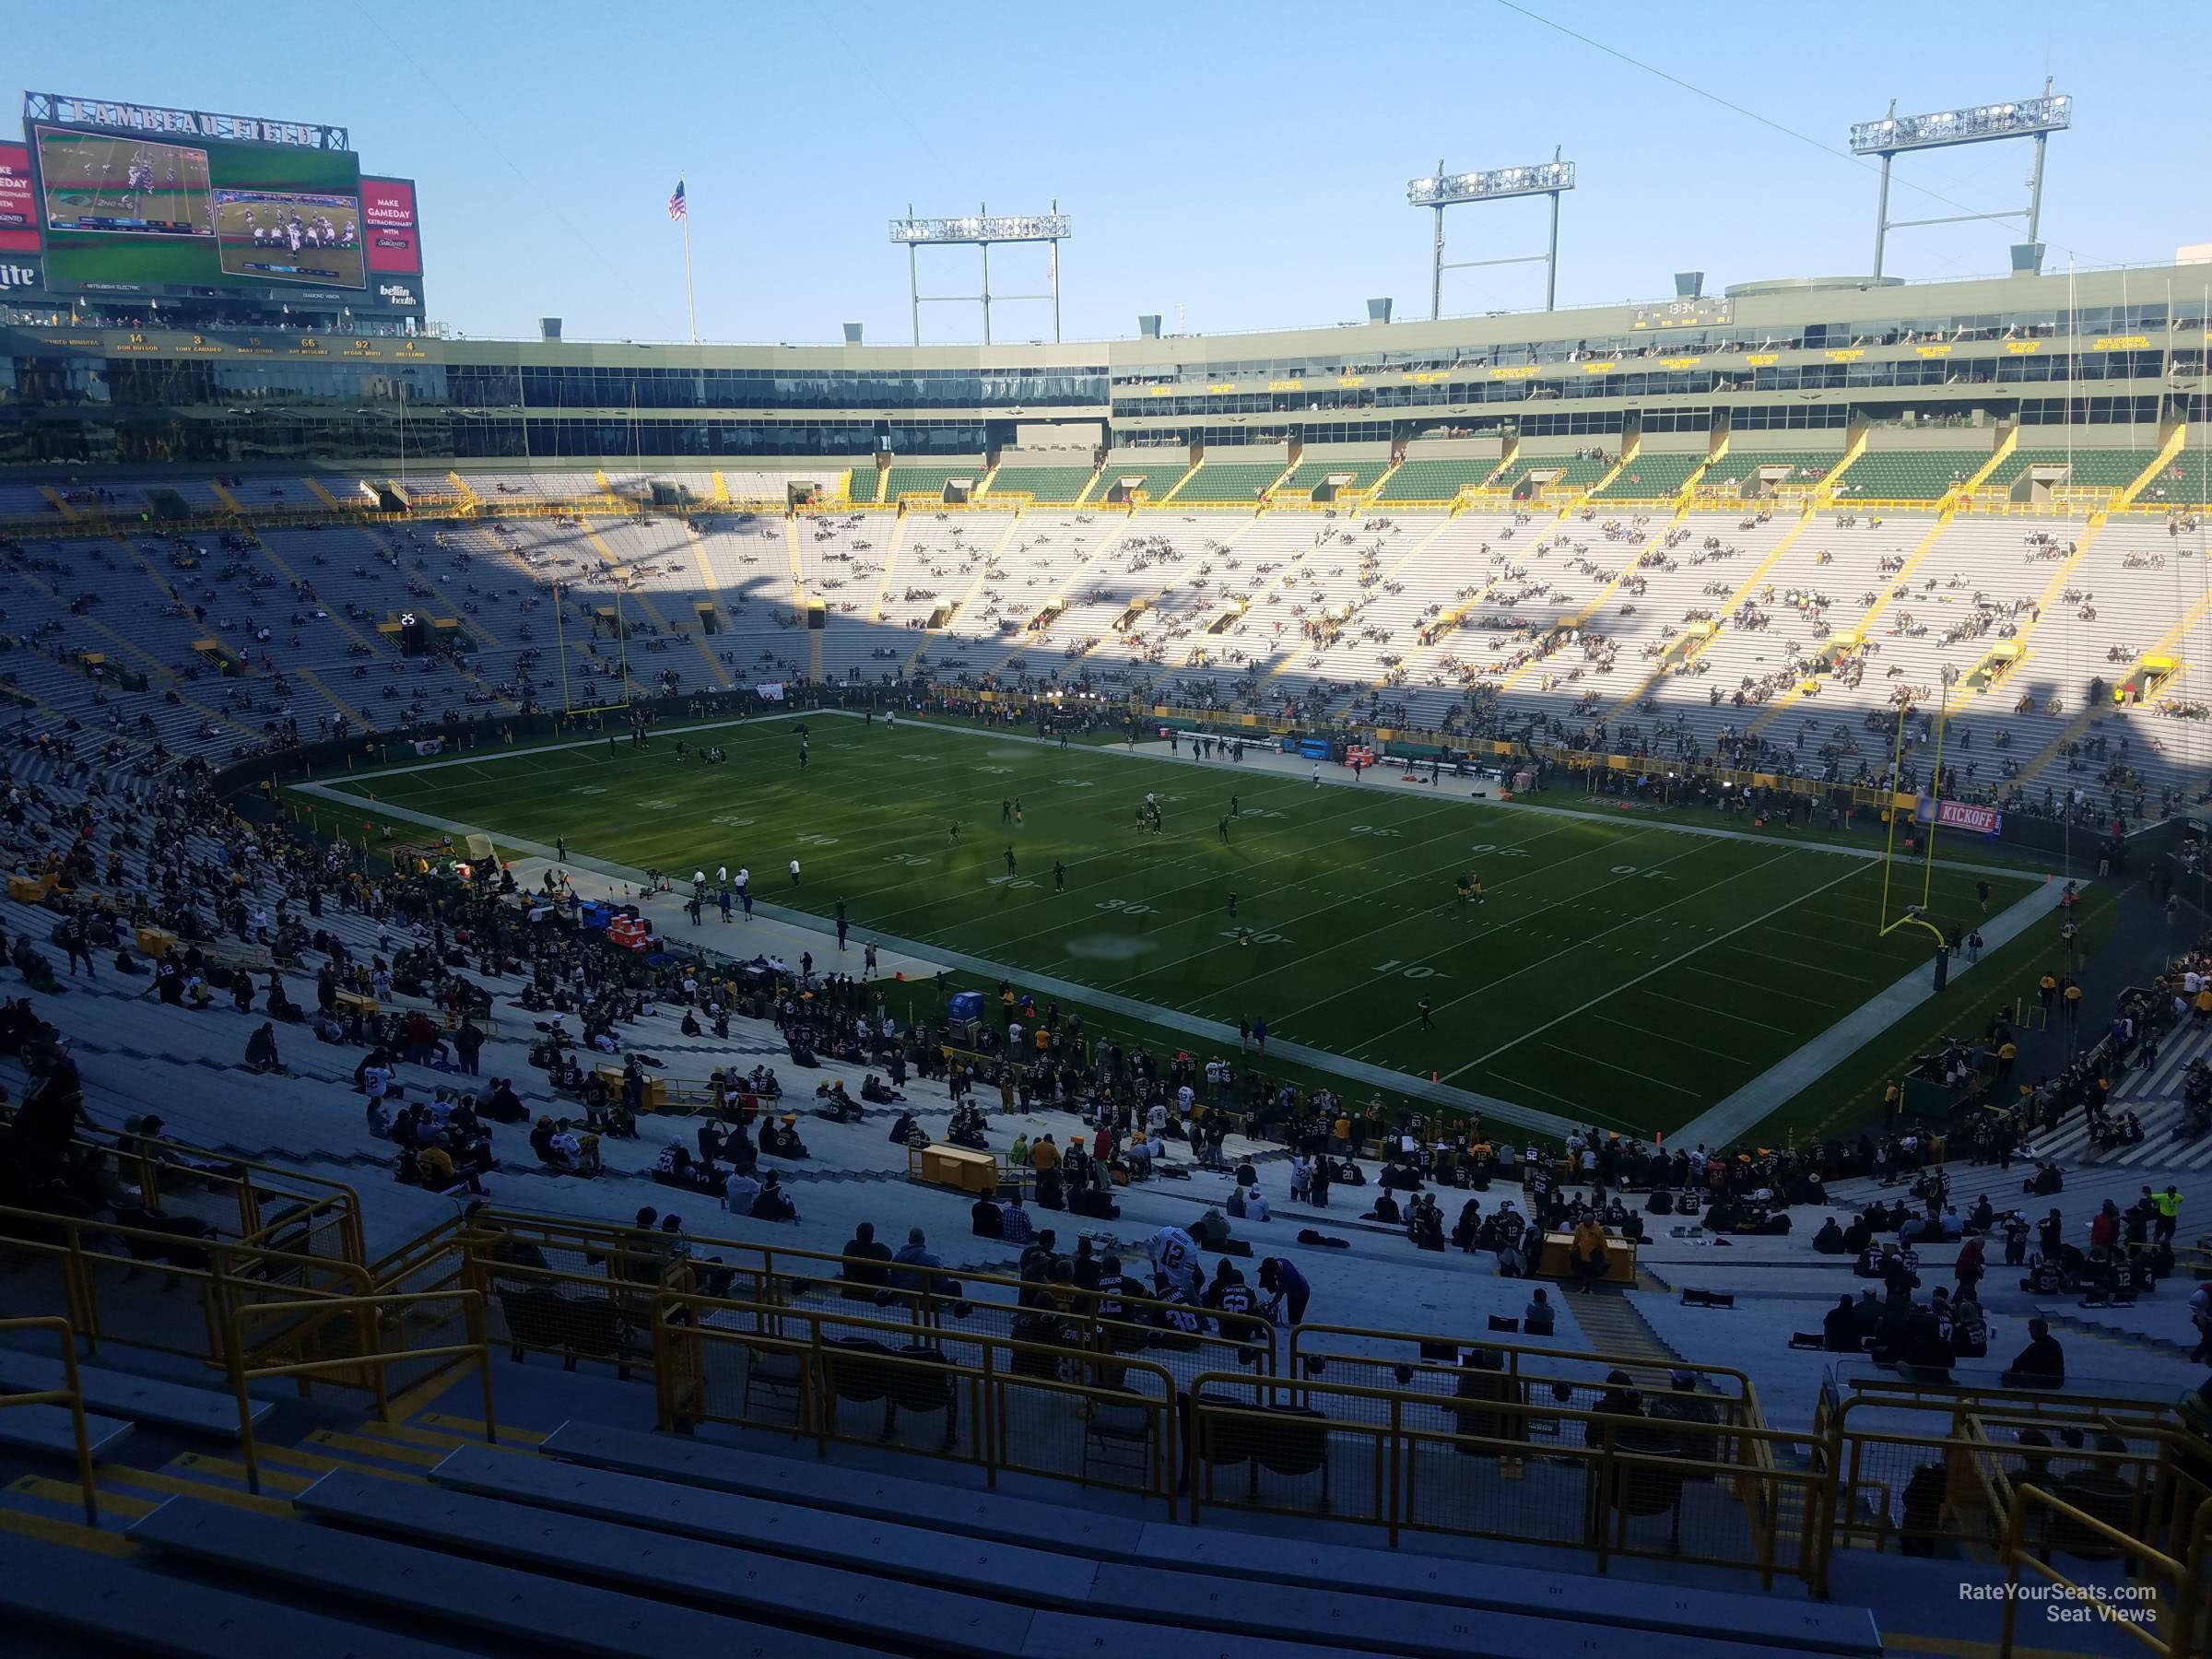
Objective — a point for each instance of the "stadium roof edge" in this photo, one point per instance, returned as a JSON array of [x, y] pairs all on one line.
[[1786, 289]]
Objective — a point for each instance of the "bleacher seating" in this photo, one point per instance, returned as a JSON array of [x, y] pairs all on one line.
[[1907, 475], [929, 479], [1566, 472], [1740, 466], [325, 656], [1307, 475], [2086, 467], [1047, 486], [1151, 479], [1225, 480], [1651, 477], [1433, 480]]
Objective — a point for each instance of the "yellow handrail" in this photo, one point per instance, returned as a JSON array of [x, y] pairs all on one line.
[[369, 1314], [71, 1393], [2180, 1612], [682, 1329]]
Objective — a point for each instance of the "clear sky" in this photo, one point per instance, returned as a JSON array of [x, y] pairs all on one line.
[[1238, 166]]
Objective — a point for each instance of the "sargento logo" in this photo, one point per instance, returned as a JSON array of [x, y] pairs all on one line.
[[394, 241]]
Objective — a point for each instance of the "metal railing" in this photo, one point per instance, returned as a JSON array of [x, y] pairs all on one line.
[[1064, 1410], [352, 1342], [91, 1272], [1943, 1464], [70, 1393], [2158, 1601], [584, 1260], [273, 1204], [1497, 1459]]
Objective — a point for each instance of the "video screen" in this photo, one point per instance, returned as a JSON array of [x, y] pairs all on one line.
[[285, 236], [123, 185], [126, 214]]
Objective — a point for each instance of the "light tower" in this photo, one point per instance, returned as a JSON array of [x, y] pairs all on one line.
[[979, 231], [1442, 190], [2035, 118]]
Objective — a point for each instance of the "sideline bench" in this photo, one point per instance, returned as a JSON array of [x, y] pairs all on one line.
[[115, 1393], [423, 1586], [119, 1607], [1796, 1625]]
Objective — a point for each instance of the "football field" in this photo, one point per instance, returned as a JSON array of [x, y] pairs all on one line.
[[1615, 970]]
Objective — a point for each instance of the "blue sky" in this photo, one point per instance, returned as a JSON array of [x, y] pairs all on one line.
[[1244, 163]]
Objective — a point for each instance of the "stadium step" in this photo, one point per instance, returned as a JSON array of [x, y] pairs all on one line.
[[1616, 1325], [2111, 1335]]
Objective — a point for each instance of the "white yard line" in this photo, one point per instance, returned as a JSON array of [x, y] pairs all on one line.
[[1614, 991]]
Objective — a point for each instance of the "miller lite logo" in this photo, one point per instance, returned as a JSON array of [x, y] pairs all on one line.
[[18, 275]]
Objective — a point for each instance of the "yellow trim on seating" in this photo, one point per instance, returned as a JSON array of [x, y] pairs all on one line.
[[75, 1534], [369, 1447], [528, 1437], [229, 1468], [175, 1486]]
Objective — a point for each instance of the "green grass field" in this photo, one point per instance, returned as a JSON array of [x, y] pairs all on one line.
[[1619, 971]]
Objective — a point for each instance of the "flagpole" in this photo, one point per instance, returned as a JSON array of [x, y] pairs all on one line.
[[690, 311]]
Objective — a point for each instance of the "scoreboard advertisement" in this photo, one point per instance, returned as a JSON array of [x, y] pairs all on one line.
[[19, 201], [140, 200]]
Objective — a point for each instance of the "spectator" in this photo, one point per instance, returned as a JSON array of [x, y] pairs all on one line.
[[261, 1050], [1840, 1332], [2042, 1364], [468, 1042], [775, 1204], [868, 1263], [1587, 1253], [1537, 1319], [915, 1268], [1282, 1280]]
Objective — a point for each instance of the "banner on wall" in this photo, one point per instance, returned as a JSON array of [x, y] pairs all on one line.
[[771, 693], [1960, 815]]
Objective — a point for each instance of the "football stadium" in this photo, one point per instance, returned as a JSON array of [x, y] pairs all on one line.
[[1526, 984]]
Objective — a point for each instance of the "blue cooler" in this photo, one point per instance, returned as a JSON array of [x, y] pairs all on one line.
[[967, 1005]]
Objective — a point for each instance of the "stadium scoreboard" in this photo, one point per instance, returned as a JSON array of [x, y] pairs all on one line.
[[124, 200]]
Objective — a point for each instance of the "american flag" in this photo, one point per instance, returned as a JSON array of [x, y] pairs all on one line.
[[676, 202]]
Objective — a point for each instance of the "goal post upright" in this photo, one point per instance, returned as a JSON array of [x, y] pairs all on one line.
[[1915, 913]]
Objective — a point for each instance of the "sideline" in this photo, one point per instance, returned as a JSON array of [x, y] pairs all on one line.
[[1749, 1106], [1355, 1071], [1259, 757]]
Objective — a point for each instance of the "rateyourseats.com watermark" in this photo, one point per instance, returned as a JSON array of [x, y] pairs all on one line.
[[2073, 1603]]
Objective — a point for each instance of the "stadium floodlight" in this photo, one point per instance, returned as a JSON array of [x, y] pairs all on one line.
[[1440, 190], [979, 231], [2032, 118]]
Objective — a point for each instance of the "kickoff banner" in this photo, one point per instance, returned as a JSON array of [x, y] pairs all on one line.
[[1959, 815], [773, 693]]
